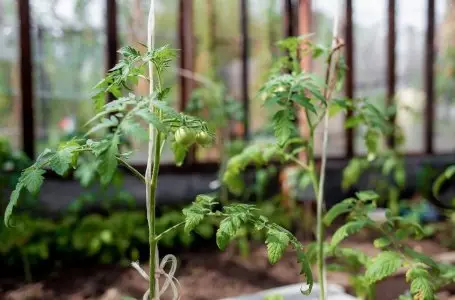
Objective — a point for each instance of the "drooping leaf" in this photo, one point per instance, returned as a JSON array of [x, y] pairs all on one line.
[[446, 175], [383, 265], [305, 270], [12, 202]]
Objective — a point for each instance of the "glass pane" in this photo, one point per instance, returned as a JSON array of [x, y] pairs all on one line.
[[68, 57], [322, 27], [10, 109], [410, 60], [266, 29], [370, 56], [444, 77], [132, 20], [217, 56]]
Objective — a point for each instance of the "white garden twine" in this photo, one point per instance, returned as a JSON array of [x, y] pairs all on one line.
[[171, 281]]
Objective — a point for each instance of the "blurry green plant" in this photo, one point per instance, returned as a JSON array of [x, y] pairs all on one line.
[[422, 272], [389, 160]]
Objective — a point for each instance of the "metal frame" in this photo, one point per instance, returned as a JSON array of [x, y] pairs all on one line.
[[186, 41], [26, 79]]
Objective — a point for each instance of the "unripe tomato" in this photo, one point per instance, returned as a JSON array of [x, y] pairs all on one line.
[[203, 138], [184, 136]]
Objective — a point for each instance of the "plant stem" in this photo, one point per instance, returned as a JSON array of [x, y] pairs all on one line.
[[153, 161], [159, 236], [132, 169]]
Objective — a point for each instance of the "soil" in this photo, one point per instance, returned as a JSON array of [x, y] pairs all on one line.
[[203, 274]]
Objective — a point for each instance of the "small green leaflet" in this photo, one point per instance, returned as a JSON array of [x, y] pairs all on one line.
[[283, 125], [367, 195], [383, 265], [338, 209], [32, 178], [422, 289], [108, 161], [346, 230], [195, 213], [63, 159], [277, 243]]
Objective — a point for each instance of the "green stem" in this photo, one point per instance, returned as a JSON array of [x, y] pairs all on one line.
[[159, 236], [26, 263]]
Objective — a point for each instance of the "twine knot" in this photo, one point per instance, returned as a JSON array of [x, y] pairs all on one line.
[[171, 281]]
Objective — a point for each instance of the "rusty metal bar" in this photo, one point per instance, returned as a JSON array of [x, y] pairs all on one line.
[[391, 59], [245, 67], [112, 38], [288, 18], [186, 39], [429, 79], [26, 79], [350, 74]]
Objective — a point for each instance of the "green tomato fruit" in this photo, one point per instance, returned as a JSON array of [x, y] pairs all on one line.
[[185, 136], [203, 138]]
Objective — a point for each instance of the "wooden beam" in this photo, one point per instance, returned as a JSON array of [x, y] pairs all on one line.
[[429, 78], [112, 39], [349, 74], [245, 67], [186, 44], [304, 20], [26, 79], [391, 59], [288, 18]]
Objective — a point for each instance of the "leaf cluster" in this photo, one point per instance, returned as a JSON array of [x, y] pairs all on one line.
[[236, 216]]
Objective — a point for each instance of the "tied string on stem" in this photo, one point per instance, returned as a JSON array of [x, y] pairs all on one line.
[[171, 281]]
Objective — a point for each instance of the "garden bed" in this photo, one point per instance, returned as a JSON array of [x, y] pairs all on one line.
[[204, 274]]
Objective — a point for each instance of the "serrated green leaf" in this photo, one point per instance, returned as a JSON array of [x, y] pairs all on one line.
[[277, 243], [192, 219], [422, 289], [12, 202], [305, 270], [367, 195], [383, 265], [108, 161], [304, 102], [63, 159], [149, 117], [346, 230], [283, 125], [32, 178], [222, 239], [337, 210]]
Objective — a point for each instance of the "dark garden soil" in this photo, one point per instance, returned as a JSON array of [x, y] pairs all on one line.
[[203, 274]]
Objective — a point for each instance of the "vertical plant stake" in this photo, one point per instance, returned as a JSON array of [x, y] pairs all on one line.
[[124, 118]]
